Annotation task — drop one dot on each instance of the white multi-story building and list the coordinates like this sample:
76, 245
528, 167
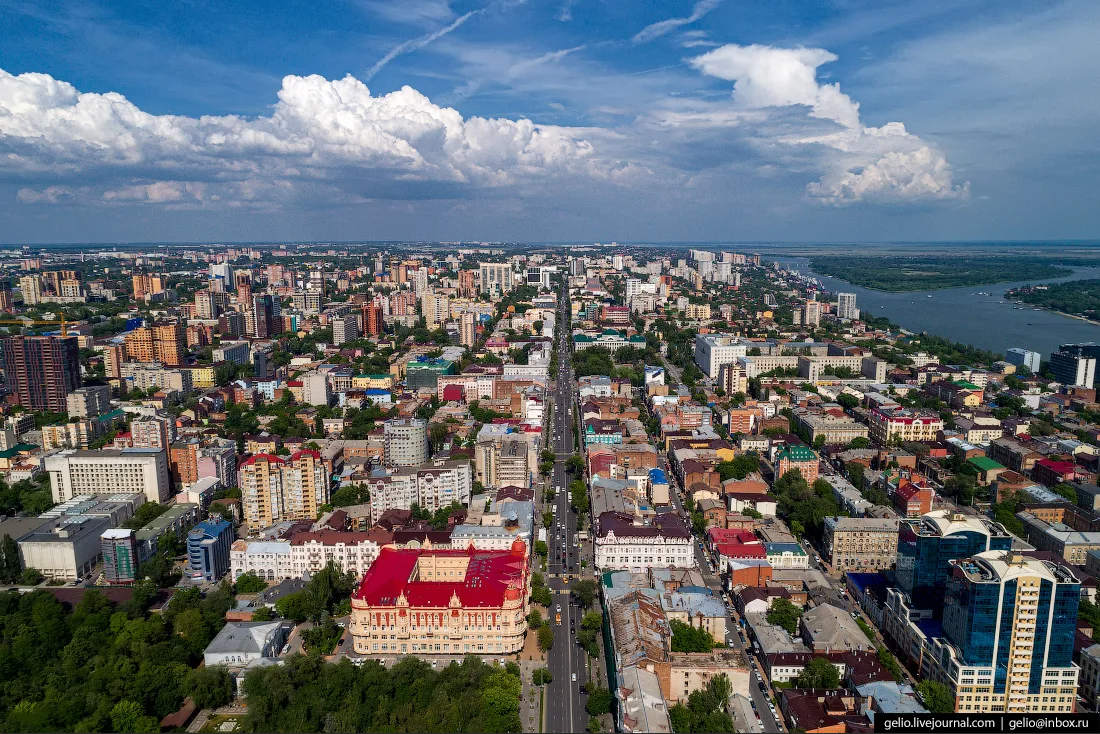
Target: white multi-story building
315, 388
431, 486
846, 306
405, 441
306, 553
109, 471
886, 426
1023, 358
714, 350
345, 329
623, 545
88, 402
496, 278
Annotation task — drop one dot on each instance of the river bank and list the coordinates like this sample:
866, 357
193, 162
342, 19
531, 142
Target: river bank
977, 315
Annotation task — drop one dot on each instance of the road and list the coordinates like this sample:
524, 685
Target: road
564, 702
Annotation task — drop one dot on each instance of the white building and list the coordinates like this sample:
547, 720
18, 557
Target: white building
237, 352
431, 486
109, 471
714, 350
405, 441
623, 545
1023, 358
846, 306
496, 278
315, 389
88, 402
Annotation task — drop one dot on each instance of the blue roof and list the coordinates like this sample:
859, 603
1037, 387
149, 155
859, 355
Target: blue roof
377, 391
864, 580
931, 627
657, 476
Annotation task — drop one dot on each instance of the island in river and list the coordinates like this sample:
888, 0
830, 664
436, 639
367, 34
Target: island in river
898, 274
1079, 298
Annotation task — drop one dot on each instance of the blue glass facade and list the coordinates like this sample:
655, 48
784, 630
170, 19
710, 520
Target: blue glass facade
924, 559
208, 546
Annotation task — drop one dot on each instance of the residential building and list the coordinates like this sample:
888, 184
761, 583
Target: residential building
846, 306
208, 545
1008, 629
496, 279
1059, 538
431, 486
152, 432
41, 371
827, 628
467, 329
108, 471
833, 429
345, 329
235, 352
442, 602
506, 462
88, 402
274, 488
1023, 358
714, 350
405, 441
860, 543
315, 388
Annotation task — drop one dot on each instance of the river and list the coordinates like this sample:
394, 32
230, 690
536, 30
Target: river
960, 314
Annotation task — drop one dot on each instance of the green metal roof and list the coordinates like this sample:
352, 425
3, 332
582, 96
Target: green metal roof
985, 463
797, 453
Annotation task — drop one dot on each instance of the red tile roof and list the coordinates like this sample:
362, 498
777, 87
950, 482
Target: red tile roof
489, 577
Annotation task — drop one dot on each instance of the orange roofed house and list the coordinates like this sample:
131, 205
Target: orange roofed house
442, 602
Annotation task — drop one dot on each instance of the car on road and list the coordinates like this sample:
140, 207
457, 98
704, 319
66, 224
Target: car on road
558, 610
574, 677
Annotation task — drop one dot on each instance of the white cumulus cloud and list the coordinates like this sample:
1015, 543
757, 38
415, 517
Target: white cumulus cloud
329, 133
886, 164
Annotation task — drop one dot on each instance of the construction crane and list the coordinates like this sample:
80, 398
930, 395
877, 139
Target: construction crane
31, 323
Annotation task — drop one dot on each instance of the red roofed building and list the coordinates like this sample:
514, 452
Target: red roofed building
456, 393
1052, 471
913, 499
718, 536
275, 488
442, 602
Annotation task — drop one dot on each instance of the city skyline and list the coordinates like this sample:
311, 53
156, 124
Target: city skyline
572, 121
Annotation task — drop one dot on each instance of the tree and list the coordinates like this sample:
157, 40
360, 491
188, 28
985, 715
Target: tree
855, 474
210, 687
534, 619
574, 464
720, 687
785, 614
818, 673
690, 639
542, 677
32, 576
249, 583
849, 401
9, 560
585, 592
541, 548
547, 519
437, 435
1066, 490
295, 606
936, 696
797, 529
599, 701
546, 637
263, 614
128, 716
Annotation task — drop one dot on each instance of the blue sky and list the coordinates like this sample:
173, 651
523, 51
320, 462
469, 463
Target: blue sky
572, 120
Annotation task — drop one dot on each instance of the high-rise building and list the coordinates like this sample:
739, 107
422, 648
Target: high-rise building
231, 324
120, 555
467, 330
274, 489
345, 329
405, 441
436, 308
496, 278
812, 313
41, 370
147, 285
846, 306
265, 311
7, 303
1023, 358
30, 286
88, 402
1008, 624
152, 433
183, 462
210, 304
373, 318
926, 549
1074, 365
223, 274
467, 283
